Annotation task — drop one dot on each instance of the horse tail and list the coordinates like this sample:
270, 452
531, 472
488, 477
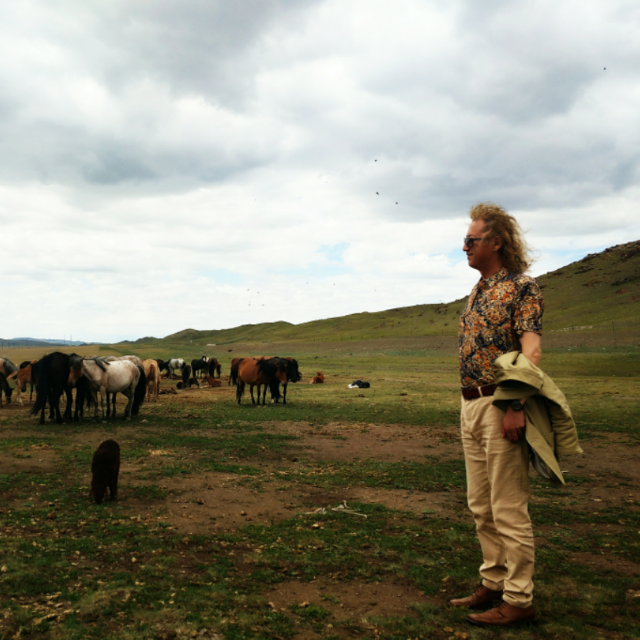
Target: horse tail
139, 393
42, 385
239, 389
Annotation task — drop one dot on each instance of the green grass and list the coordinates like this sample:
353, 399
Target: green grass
122, 570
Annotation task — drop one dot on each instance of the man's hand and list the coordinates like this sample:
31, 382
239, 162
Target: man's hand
513, 425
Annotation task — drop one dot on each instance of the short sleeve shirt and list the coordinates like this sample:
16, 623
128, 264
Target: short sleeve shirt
500, 309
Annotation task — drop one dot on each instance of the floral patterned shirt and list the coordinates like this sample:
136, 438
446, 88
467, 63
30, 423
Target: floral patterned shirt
500, 309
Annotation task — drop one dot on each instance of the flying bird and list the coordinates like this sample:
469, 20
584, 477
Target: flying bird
377, 193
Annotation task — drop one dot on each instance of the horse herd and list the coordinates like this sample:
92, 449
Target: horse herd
58, 373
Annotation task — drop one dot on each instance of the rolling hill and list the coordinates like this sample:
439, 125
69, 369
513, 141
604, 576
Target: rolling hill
600, 293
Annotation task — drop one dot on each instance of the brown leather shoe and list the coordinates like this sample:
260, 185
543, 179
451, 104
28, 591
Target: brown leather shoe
503, 615
481, 598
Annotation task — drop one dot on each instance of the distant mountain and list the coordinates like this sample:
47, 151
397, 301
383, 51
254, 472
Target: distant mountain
39, 342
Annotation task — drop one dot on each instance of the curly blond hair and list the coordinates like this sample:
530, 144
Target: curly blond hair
515, 252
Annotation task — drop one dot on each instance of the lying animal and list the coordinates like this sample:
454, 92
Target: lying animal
104, 470
358, 384
318, 378
213, 382
193, 382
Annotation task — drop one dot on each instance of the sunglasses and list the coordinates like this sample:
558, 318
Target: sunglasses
469, 241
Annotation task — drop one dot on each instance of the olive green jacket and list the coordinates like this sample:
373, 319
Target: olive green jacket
550, 429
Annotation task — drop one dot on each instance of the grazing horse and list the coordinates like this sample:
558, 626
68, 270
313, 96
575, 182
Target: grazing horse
199, 364
137, 361
214, 367
289, 372
24, 377
52, 374
233, 371
120, 376
4, 386
173, 364
7, 367
258, 372
152, 374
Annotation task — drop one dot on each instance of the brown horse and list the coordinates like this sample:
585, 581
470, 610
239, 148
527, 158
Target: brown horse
260, 372
152, 374
318, 378
23, 377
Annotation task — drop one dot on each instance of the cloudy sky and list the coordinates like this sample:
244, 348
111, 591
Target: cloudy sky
167, 164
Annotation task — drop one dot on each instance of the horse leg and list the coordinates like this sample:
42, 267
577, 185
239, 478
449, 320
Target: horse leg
129, 394
251, 389
67, 411
103, 396
113, 403
58, 395
239, 390
284, 392
19, 393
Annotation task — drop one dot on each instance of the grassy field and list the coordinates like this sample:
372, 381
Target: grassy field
341, 515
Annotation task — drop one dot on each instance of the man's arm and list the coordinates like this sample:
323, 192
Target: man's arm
513, 422
530, 345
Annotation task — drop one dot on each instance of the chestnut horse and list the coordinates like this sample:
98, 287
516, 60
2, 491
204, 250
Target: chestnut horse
152, 374
259, 372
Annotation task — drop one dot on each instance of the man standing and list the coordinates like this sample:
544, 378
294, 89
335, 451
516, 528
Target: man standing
503, 314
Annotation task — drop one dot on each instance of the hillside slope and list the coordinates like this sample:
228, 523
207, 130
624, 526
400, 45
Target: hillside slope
601, 292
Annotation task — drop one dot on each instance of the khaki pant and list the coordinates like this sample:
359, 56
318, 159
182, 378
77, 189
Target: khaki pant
498, 493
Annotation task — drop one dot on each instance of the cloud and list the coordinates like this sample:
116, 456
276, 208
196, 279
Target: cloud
173, 155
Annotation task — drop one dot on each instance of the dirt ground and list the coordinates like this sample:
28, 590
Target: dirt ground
220, 502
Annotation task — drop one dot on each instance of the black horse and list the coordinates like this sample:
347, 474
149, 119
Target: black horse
4, 387
292, 374
199, 364
52, 372
215, 368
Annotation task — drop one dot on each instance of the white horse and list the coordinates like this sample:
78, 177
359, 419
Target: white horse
173, 364
119, 376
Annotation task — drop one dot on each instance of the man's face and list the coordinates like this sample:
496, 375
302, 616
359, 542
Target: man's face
483, 254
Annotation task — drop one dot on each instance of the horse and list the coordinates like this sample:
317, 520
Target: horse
186, 374
289, 372
52, 374
173, 364
4, 386
199, 364
259, 372
23, 377
152, 374
137, 361
214, 367
318, 378
7, 367
233, 371
120, 376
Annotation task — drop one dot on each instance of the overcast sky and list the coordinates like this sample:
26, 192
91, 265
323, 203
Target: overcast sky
172, 164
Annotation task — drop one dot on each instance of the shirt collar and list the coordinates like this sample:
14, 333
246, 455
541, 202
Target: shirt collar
494, 279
